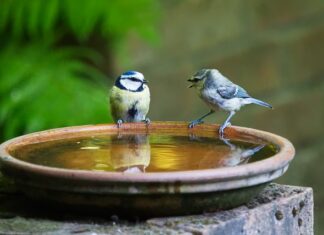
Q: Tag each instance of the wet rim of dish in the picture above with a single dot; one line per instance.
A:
(278, 161)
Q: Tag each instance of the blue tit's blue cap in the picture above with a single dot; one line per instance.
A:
(134, 74)
(130, 72)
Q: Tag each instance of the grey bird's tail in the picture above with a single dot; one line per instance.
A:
(260, 102)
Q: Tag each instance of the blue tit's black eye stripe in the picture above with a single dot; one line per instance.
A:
(134, 79)
(131, 78)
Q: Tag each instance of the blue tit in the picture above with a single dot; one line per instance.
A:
(219, 92)
(130, 98)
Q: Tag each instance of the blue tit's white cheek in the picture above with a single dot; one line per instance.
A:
(130, 85)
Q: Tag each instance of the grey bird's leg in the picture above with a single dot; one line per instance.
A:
(225, 124)
(119, 122)
(200, 120)
(227, 142)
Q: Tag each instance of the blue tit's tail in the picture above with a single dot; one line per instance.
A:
(260, 102)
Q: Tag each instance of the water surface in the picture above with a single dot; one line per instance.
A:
(136, 153)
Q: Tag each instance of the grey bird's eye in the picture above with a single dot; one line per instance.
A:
(201, 74)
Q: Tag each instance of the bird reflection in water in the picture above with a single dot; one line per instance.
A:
(239, 155)
(226, 154)
(130, 153)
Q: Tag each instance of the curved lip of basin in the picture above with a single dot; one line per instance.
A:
(272, 167)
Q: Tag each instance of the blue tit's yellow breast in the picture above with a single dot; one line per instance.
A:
(121, 101)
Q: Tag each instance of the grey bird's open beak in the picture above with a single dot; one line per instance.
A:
(192, 84)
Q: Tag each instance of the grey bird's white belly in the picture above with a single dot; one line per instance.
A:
(215, 101)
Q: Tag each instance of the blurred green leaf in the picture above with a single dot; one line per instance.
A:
(34, 19)
(49, 91)
(110, 19)
(5, 10)
(52, 14)
(17, 13)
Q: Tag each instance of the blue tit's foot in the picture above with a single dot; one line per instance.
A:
(222, 128)
(147, 121)
(195, 122)
(119, 122)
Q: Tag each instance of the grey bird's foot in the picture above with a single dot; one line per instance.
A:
(222, 128)
(195, 122)
(147, 121)
(119, 122)
(227, 142)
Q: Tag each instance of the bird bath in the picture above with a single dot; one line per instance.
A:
(137, 170)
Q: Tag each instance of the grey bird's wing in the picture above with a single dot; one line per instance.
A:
(232, 91)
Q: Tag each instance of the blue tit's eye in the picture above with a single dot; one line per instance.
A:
(134, 79)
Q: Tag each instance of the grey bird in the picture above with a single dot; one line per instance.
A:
(217, 91)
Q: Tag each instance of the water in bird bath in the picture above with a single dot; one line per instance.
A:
(137, 153)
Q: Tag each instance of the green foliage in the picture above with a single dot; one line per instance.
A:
(112, 19)
(49, 70)
(47, 93)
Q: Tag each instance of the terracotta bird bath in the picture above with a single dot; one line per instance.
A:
(135, 184)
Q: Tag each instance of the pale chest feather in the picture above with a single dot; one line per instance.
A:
(210, 97)
(123, 101)
(214, 100)
(233, 104)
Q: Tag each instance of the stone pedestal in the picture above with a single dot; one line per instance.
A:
(279, 209)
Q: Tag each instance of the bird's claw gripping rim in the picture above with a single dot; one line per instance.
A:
(222, 128)
(119, 122)
(147, 121)
(195, 122)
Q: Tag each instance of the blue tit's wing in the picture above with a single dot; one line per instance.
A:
(232, 91)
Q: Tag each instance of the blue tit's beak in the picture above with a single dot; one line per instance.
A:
(145, 81)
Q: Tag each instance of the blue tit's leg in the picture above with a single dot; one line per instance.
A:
(225, 124)
(119, 122)
(147, 121)
(200, 120)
